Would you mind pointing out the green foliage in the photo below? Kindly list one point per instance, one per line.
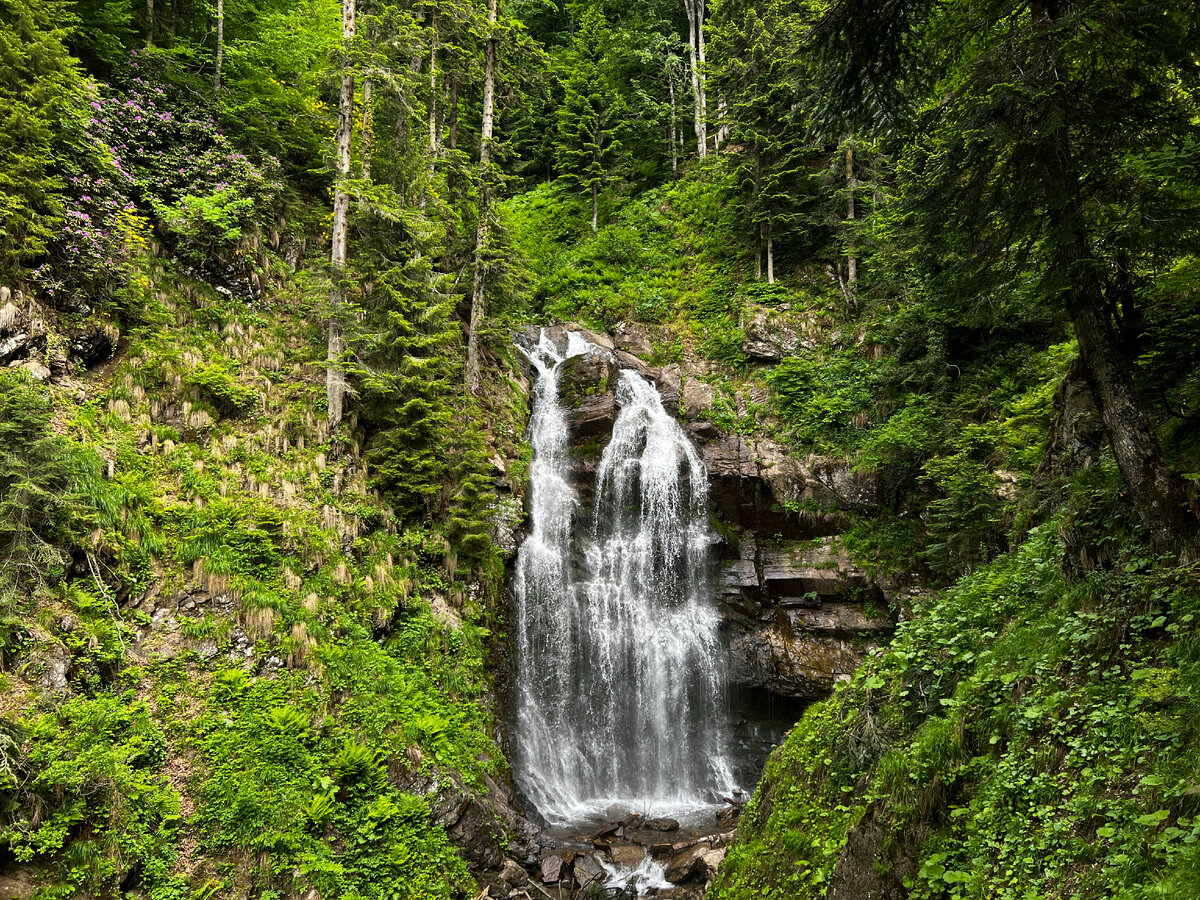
(39, 503)
(92, 766)
(218, 381)
(41, 126)
(1029, 734)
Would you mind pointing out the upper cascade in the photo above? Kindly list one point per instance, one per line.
(620, 670)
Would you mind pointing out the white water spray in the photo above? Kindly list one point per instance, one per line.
(620, 673)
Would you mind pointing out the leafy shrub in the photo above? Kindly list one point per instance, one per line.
(223, 389)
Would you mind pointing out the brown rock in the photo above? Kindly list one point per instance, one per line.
(632, 338)
(661, 824)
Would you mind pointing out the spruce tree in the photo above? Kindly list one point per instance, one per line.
(589, 120)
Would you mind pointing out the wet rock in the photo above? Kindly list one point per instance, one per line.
(661, 824)
(697, 862)
(585, 375)
(670, 388)
(799, 665)
(629, 855)
(592, 418)
(588, 871)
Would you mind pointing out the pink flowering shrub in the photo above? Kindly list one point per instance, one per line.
(160, 154)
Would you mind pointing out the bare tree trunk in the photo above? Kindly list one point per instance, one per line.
(149, 23)
(220, 47)
(368, 133)
(671, 128)
(851, 258)
(335, 382)
(701, 10)
(696, 25)
(770, 255)
(433, 104)
(722, 124)
(474, 362)
(595, 206)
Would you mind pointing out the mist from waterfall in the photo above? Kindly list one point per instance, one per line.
(620, 674)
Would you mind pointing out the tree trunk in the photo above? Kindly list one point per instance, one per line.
(722, 124)
(1156, 492)
(671, 128)
(368, 134)
(433, 104)
(149, 23)
(770, 255)
(851, 258)
(335, 382)
(696, 27)
(220, 48)
(474, 362)
(701, 9)
(595, 207)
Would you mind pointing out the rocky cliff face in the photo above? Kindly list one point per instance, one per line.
(799, 614)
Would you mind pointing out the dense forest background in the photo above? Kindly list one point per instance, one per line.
(261, 264)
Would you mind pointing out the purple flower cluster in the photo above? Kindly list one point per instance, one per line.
(150, 149)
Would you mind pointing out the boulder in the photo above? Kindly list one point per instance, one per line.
(555, 869)
(698, 399)
(661, 824)
(586, 375)
(633, 339)
(696, 862)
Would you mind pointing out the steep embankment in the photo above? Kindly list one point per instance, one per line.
(1030, 729)
(229, 672)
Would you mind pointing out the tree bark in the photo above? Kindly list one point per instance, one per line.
(722, 124)
(595, 207)
(770, 255)
(851, 258)
(335, 382)
(701, 9)
(433, 104)
(149, 23)
(368, 134)
(220, 48)
(474, 363)
(671, 127)
(696, 27)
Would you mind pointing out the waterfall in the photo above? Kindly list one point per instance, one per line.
(620, 672)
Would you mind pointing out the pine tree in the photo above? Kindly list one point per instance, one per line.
(589, 120)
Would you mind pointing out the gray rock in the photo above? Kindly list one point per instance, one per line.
(54, 662)
(14, 345)
(698, 398)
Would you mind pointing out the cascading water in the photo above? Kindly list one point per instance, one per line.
(620, 673)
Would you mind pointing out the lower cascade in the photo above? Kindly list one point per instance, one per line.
(620, 689)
